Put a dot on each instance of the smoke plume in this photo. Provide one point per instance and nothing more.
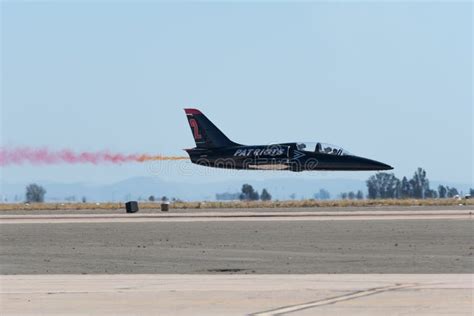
(44, 156)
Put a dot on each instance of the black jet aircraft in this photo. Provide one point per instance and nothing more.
(214, 149)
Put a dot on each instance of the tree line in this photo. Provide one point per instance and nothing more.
(359, 195)
(382, 185)
(247, 193)
(385, 185)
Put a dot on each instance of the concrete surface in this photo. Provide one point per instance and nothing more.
(307, 244)
(219, 215)
(365, 294)
(239, 262)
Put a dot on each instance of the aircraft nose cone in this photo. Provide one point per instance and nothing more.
(385, 166)
(377, 165)
(369, 164)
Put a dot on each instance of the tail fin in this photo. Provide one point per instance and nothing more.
(205, 133)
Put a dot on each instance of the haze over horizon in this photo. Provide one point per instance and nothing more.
(386, 81)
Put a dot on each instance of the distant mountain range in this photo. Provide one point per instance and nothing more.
(143, 187)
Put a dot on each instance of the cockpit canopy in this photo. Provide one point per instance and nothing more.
(322, 148)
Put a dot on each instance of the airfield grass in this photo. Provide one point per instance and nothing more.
(237, 204)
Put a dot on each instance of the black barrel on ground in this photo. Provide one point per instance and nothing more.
(131, 206)
(165, 206)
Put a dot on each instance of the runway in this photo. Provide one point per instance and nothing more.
(360, 261)
(259, 295)
(207, 216)
(239, 242)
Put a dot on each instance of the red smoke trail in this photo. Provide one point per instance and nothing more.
(44, 156)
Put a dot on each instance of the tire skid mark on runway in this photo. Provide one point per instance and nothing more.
(333, 300)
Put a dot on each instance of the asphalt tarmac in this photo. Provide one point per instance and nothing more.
(251, 246)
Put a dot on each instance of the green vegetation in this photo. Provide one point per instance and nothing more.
(265, 196)
(386, 186)
(352, 196)
(322, 195)
(248, 193)
(34, 193)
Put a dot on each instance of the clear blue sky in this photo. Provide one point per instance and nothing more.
(390, 81)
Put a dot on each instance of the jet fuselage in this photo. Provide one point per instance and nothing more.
(284, 156)
(214, 149)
